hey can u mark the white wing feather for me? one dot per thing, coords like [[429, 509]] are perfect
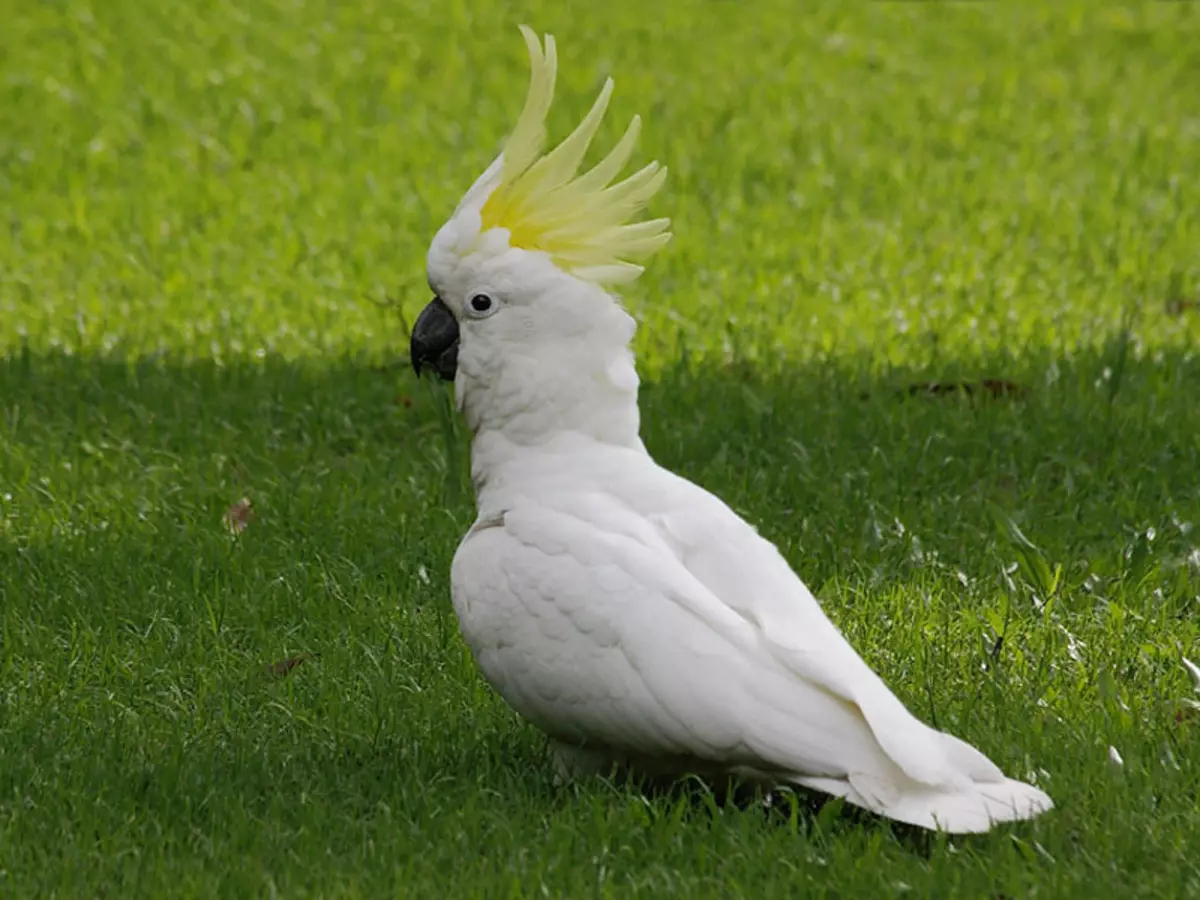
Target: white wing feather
[[651, 620], [633, 653]]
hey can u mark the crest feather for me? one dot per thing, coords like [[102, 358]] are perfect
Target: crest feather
[[582, 221]]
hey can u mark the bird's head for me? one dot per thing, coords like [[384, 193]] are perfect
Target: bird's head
[[520, 269]]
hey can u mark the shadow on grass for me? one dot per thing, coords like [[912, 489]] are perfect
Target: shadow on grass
[[1100, 442], [119, 475], [793, 808]]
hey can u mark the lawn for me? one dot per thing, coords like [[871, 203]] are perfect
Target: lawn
[[216, 220]]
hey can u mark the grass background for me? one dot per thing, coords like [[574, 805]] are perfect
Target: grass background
[[207, 208]]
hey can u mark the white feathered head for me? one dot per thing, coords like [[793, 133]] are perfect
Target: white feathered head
[[533, 238]]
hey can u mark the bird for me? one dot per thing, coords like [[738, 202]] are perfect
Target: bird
[[627, 612]]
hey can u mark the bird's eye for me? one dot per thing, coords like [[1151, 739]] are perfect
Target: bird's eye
[[481, 304]]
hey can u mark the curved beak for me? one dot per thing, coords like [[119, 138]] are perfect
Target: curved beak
[[435, 340]]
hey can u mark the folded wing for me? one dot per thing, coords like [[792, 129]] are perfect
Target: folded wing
[[636, 652]]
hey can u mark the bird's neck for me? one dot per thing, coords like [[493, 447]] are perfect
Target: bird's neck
[[556, 403]]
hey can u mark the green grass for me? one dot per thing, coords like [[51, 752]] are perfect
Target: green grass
[[208, 205]]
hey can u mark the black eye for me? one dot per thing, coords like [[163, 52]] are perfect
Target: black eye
[[481, 303]]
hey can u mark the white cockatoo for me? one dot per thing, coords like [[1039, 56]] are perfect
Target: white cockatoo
[[628, 613]]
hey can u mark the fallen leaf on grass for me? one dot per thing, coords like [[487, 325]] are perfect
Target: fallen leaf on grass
[[238, 516], [1177, 306], [1187, 711], [285, 666], [993, 387]]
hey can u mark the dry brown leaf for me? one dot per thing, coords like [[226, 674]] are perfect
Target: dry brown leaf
[[285, 666], [238, 516], [1186, 710], [1177, 306], [994, 387]]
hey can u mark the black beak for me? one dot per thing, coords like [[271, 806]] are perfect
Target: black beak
[[435, 340]]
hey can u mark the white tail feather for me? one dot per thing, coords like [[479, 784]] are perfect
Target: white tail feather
[[972, 810]]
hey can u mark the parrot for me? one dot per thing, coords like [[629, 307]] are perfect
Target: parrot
[[626, 612]]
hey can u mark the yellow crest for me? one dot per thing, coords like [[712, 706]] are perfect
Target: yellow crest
[[581, 221]]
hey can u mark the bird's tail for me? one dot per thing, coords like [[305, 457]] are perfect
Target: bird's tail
[[962, 810]]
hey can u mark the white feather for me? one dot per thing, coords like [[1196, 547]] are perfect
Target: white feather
[[624, 609]]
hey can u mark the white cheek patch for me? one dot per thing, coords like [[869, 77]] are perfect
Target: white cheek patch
[[622, 373]]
